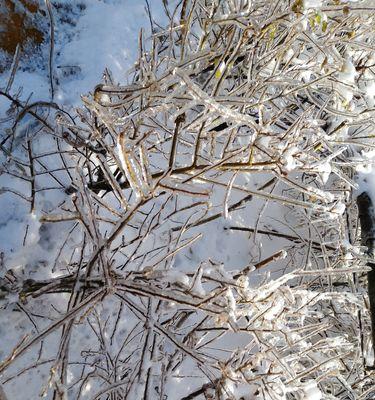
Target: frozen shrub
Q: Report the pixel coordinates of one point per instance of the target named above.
(242, 118)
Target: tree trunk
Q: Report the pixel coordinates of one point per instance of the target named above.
(367, 220)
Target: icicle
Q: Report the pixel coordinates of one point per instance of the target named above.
(135, 171)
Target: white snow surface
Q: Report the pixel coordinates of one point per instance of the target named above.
(105, 35)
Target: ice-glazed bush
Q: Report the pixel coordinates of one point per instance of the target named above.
(193, 234)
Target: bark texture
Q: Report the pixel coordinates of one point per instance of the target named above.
(367, 220)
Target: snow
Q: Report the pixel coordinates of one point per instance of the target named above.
(366, 174)
(348, 72)
(106, 35)
(370, 93)
(313, 3)
(311, 391)
(103, 35)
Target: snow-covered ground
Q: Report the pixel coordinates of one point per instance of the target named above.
(91, 35)
(99, 35)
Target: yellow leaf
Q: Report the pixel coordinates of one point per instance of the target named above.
(273, 30)
(318, 147)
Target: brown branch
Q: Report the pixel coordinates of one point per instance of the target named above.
(366, 216)
(315, 244)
